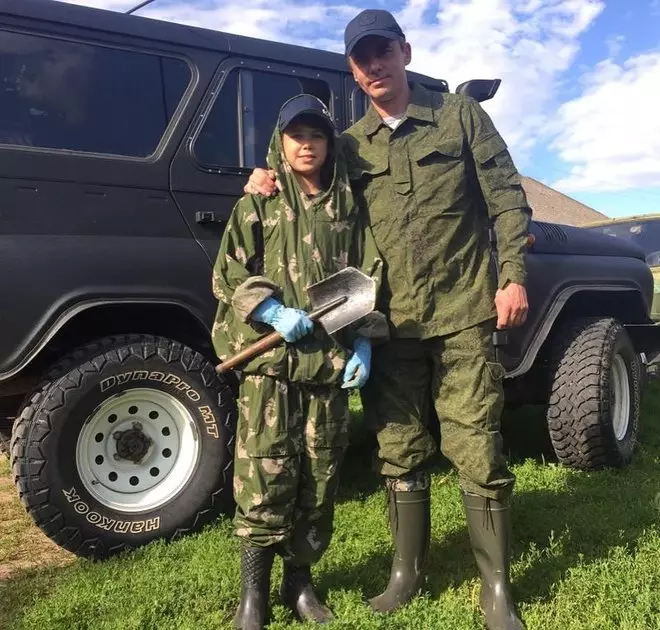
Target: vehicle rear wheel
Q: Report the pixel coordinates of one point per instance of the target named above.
(593, 411)
(129, 443)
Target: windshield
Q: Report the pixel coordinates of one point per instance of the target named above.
(644, 234)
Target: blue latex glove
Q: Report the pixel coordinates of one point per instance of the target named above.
(291, 323)
(359, 365)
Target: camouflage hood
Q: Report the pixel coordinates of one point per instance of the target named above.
(337, 200)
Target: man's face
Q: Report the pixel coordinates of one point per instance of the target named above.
(379, 66)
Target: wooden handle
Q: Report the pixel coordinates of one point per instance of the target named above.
(265, 343)
(271, 340)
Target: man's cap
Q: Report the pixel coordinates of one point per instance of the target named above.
(371, 22)
(308, 105)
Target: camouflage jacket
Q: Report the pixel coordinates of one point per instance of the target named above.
(420, 184)
(278, 246)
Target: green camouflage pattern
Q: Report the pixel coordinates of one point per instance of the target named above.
(279, 246)
(410, 482)
(459, 375)
(290, 444)
(417, 182)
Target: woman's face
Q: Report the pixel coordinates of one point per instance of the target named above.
(305, 148)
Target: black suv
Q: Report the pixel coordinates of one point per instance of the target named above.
(124, 144)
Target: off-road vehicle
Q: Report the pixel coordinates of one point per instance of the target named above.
(643, 231)
(124, 144)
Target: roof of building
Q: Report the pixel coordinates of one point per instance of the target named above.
(552, 206)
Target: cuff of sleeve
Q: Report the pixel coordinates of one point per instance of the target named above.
(250, 294)
(374, 327)
(511, 273)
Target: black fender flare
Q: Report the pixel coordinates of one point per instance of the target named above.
(40, 340)
(552, 313)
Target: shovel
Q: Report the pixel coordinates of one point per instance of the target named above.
(339, 300)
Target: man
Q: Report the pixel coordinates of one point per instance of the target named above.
(424, 164)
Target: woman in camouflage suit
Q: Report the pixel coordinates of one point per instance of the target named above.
(293, 410)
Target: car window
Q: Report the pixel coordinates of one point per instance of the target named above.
(58, 94)
(240, 123)
(644, 234)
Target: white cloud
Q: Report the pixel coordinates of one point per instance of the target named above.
(526, 43)
(615, 45)
(611, 134)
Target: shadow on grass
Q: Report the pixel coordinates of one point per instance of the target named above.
(25, 586)
(555, 529)
(524, 432)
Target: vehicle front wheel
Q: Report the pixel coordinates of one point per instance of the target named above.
(593, 411)
(129, 444)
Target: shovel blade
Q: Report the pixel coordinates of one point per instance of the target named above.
(359, 290)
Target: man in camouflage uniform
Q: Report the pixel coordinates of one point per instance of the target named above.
(435, 174)
(293, 410)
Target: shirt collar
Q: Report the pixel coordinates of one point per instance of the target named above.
(420, 107)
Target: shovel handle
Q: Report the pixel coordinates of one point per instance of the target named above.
(271, 340)
(264, 344)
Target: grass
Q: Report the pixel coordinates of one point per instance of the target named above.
(586, 556)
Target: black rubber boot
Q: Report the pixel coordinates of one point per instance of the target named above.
(297, 592)
(410, 523)
(489, 525)
(253, 610)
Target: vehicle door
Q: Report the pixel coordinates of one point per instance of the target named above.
(231, 134)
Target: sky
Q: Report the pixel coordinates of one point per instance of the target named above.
(579, 100)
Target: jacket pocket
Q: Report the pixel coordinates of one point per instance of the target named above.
(495, 163)
(445, 151)
(489, 149)
(317, 359)
(369, 166)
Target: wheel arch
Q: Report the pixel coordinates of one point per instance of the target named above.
(625, 304)
(94, 320)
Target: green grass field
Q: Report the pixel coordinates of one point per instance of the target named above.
(586, 556)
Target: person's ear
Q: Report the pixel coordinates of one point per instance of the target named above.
(407, 53)
(351, 67)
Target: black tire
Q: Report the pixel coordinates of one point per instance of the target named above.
(45, 435)
(583, 405)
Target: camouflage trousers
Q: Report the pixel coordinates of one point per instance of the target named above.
(458, 378)
(290, 444)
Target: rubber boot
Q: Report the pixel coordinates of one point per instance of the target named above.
(297, 592)
(253, 609)
(410, 524)
(489, 526)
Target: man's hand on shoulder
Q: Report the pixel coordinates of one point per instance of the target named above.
(262, 182)
(512, 306)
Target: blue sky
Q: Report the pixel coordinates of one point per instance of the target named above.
(579, 99)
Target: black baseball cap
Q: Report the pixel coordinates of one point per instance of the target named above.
(371, 22)
(308, 105)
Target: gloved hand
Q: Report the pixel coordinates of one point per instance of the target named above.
(291, 323)
(358, 367)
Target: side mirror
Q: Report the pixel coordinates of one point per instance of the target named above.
(479, 89)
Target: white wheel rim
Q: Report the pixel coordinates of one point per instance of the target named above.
(137, 450)
(620, 402)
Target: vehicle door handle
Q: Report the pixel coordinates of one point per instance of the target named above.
(202, 216)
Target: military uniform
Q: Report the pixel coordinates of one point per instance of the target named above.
(293, 417)
(421, 184)
(433, 187)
